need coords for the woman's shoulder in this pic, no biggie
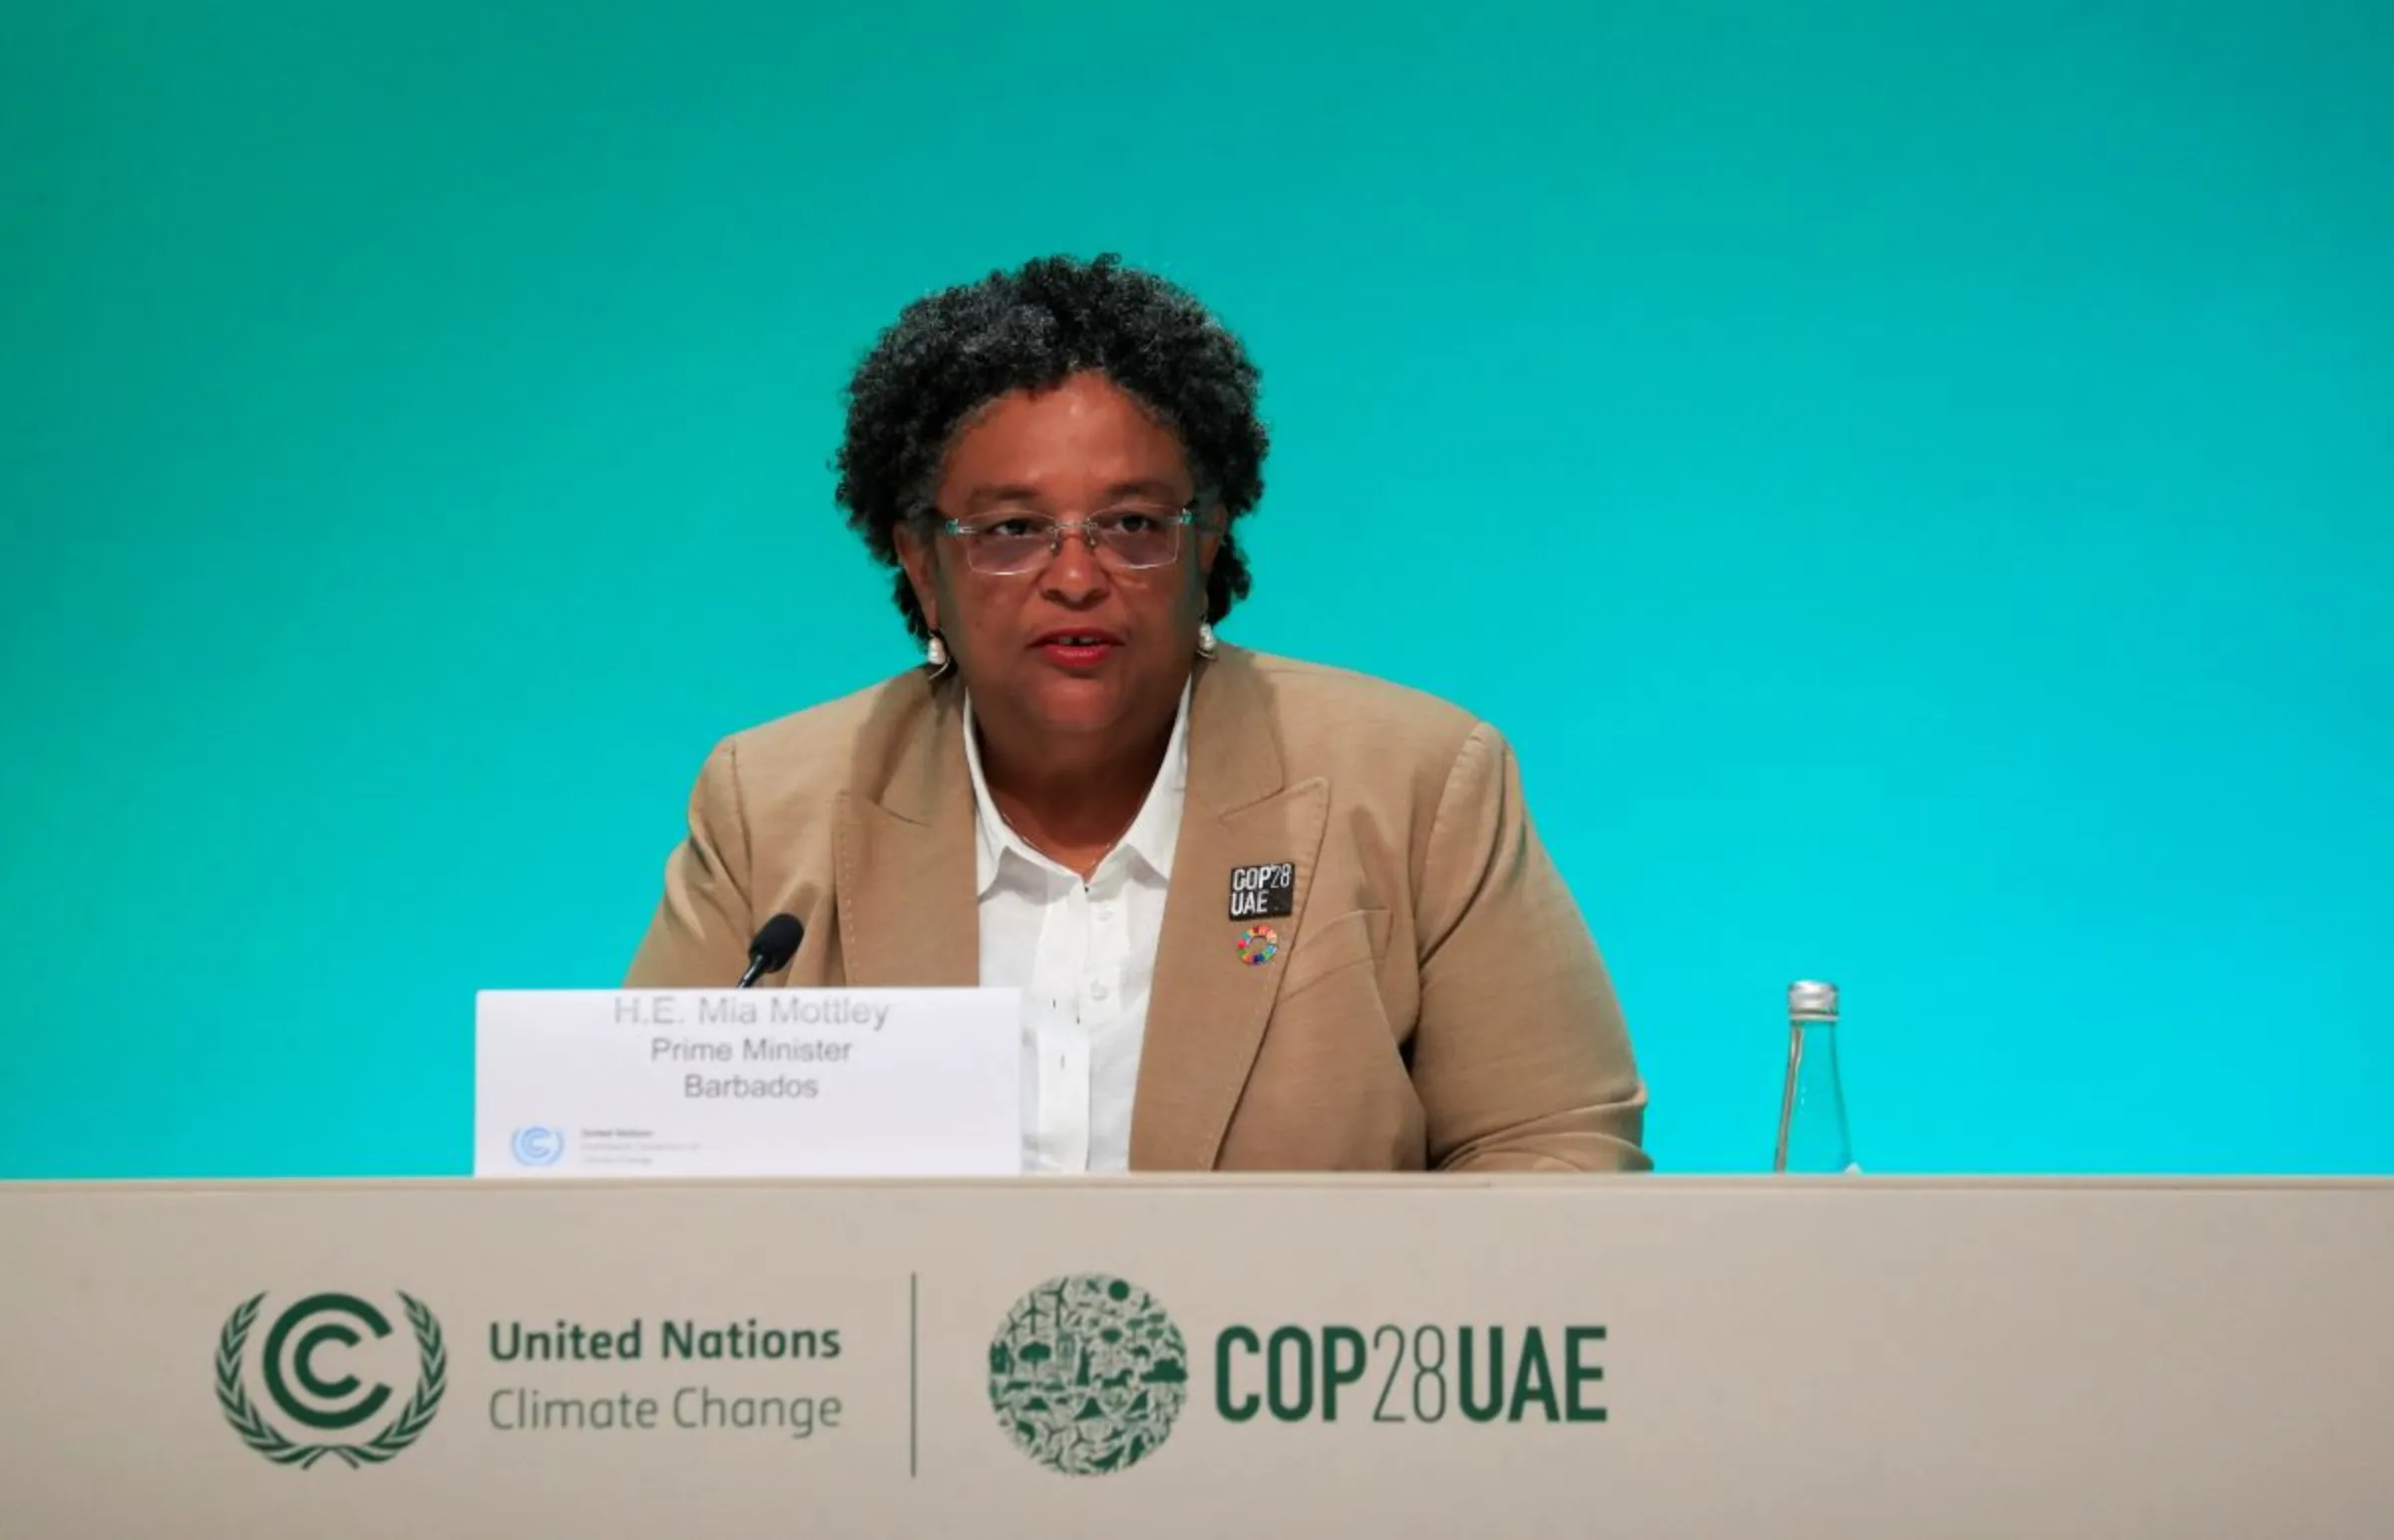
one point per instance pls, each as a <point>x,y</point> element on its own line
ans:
<point>1305,688</point>
<point>1325,715</point>
<point>825,747</point>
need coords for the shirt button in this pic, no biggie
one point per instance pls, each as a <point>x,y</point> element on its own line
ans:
<point>1096,988</point>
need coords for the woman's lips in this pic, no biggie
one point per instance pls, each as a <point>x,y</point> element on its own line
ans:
<point>1078,650</point>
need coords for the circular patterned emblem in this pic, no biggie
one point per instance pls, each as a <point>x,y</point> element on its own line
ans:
<point>1087,1375</point>
<point>1259,945</point>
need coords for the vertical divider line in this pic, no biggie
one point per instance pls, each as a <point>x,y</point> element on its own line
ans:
<point>914,1290</point>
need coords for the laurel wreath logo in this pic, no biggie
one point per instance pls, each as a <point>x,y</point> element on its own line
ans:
<point>432,1362</point>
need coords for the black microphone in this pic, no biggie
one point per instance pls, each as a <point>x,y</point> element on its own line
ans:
<point>776,942</point>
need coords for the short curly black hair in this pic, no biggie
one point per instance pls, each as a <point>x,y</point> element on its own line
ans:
<point>952,353</point>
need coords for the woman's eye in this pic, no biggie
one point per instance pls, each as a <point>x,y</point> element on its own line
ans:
<point>1012,528</point>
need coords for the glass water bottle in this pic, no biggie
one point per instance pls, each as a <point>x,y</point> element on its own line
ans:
<point>1812,1133</point>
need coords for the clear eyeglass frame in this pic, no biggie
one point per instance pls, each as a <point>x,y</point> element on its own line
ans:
<point>1026,550</point>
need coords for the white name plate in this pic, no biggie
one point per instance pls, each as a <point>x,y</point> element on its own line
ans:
<point>763,1082</point>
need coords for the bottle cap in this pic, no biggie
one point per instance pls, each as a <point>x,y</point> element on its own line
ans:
<point>1813,1000</point>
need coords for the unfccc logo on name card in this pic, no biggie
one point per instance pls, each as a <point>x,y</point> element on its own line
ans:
<point>538,1145</point>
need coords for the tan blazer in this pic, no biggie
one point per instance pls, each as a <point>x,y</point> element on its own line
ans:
<point>1436,1000</point>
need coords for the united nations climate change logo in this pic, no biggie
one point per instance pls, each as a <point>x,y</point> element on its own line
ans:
<point>535,1145</point>
<point>307,1343</point>
<point>1089,1373</point>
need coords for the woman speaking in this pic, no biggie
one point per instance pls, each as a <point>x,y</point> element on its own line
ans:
<point>1264,914</point>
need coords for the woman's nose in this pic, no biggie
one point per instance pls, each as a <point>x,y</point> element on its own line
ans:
<point>1074,571</point>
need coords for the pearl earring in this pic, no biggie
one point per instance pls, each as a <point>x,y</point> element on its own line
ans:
<point>935,653</point>
<point>1206,645</point>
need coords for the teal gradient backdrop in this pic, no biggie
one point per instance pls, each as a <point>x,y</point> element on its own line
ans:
<point>1914,480</point>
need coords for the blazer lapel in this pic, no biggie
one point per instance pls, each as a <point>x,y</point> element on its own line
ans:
<point>909,916</point>
<point>1207,1012</point>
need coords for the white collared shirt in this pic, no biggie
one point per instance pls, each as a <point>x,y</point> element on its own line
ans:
<point>1083,956</point>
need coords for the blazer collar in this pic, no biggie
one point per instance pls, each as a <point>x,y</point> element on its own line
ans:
<point>1207,1012</point>
<point>1234,752</point>
<point>908,911</point>
<point>902,848</point>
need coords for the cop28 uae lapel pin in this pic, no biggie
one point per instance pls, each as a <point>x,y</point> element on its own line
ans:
<point>1267,892</point>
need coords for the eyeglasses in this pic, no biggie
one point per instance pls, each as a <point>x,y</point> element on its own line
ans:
<point>1126,538</point>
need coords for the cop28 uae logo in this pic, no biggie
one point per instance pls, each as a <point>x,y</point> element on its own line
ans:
<point>309,1382</point>
<point>1087,1374</point>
